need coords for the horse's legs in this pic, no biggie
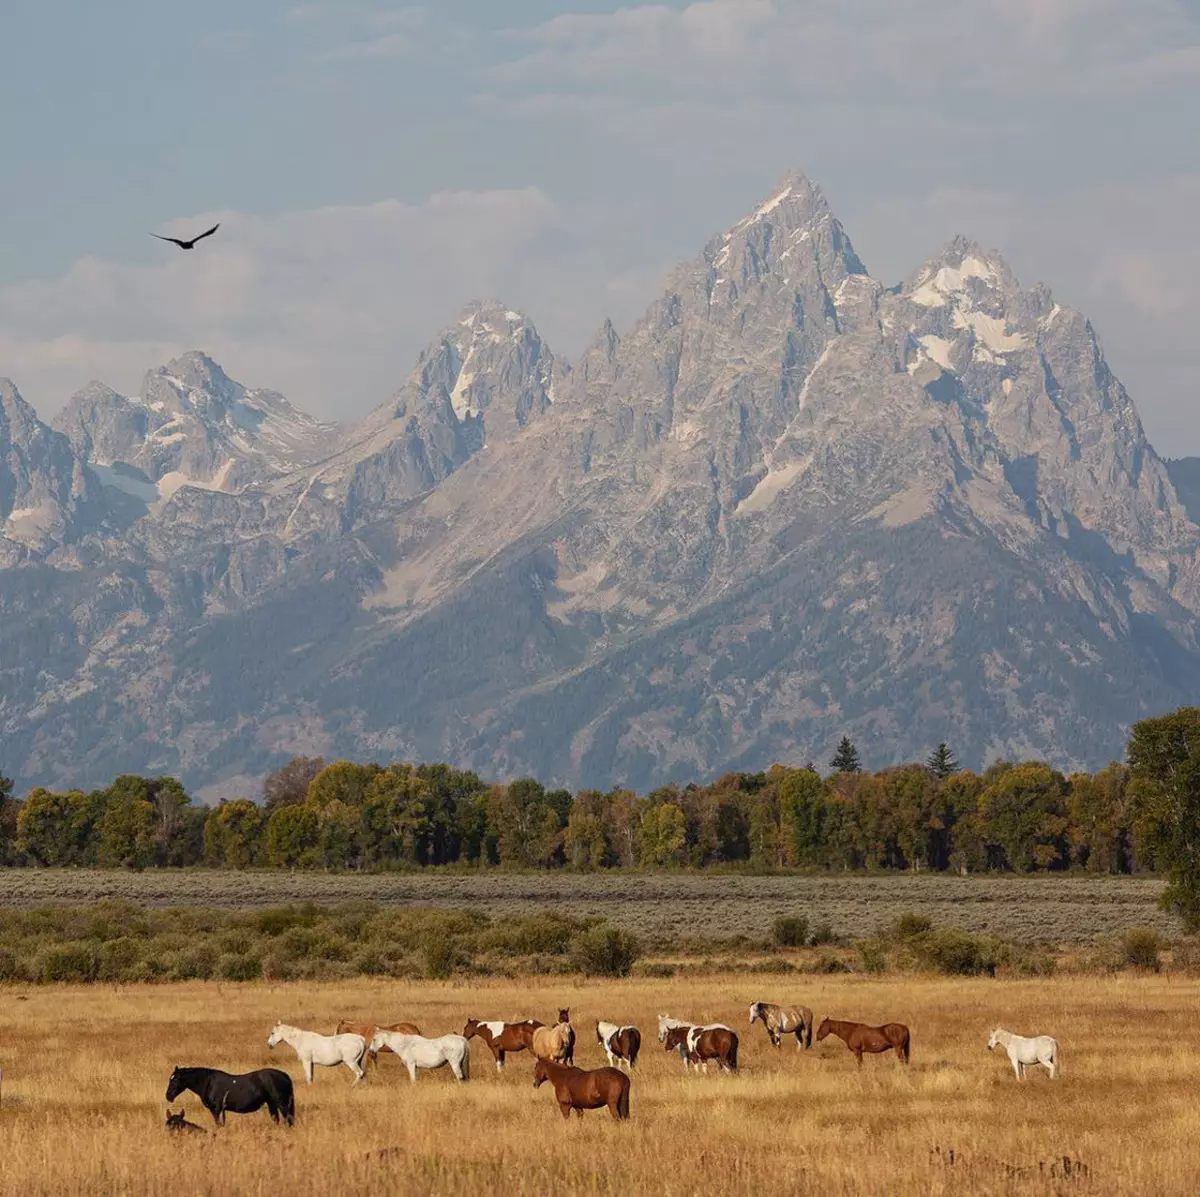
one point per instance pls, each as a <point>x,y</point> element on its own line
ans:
<point>1018,1069</point>
<point>308,1070</point>
<point>499,1059</point>
<point>800,1037</point>
<point>565,1107</point>
<point>858,1053</point>
<point>412,1072</point>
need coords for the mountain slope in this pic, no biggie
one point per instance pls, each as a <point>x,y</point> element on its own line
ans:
<point>789,503</point>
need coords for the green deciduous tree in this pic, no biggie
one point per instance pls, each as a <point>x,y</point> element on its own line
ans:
<point>1024,815</point>
<point>127,829</point>
<point>292,836</point>
<point>663,834</point>
<point>343,781</point>
<point>802,816</point>
<point>233,834</point>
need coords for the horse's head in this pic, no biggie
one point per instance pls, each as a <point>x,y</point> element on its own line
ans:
<point>276,1035</point>
<point>471,1029</point>
<point>756,1012</point>
<point>564,1015</point>
<point>175,1120</point>
<point>993,1039</point>
<point>663,1027</point>
<point>376,1042</point>
<point>174,1085</point>
<point>824,1029</point>
<point>540,1073</point>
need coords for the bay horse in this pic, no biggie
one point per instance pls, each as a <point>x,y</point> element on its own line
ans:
<point>552,1043</point>
<point>784,1020</point>
<point>619,1043</point>
<point>1022,1051</point>
<point>223,1092</point>
<point>564,1017</point>
<point>859,1037</point>
<point>367,1031</point>
<point>699,1045</point>
<point>418,1052</point>
<point>582,1089</point>
<point>502,1037</point>
<point>327,1050</point>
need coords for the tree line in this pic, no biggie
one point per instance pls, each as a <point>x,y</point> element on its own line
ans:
<point>1143,815</point>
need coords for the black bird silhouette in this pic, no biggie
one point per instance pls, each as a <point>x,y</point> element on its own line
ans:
<point>188,244</point>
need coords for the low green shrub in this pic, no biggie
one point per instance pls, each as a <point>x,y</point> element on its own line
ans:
<point>873,956</point>
<point>958,953</point>
<point>239,967</point>
<point>604,951</point>
<point>67,962</point>
<point>1140,947</point>
<point>909,925</point>
<point>790,931</point>
<point>824,935</point>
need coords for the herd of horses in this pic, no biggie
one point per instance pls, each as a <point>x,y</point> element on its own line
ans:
<point>354,1044</point>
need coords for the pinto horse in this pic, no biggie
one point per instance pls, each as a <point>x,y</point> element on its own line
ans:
<point>222,1092</point>
<point>699,1045</point>
<point>784,1020</point>
<point>502,1037</point>
<point>582,1089</point>
<point>619,1043</point>
<point>367,1031</point>
<point>859,1037</point>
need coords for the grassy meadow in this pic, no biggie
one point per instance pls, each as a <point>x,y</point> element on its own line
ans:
<point>85,1069</point>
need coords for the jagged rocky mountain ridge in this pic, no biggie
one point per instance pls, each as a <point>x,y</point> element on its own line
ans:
<point>789,503</point>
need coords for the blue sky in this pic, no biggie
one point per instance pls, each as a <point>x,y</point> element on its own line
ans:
<point>376,165</point>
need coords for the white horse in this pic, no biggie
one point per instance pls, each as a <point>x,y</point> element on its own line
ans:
<point>418,1052</point>
<point>326,1050</point>
<point>1041,1049</point>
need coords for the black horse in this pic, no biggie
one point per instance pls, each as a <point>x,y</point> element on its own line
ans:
<point>223,1092</point>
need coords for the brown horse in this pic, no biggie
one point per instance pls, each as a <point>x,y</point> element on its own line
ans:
<point>859,1037</point>
<point>564,1016</point>
<point>502,1037</point>
<point>367,1031</point>
<point>579,1089</point>
<point>698,1045</point>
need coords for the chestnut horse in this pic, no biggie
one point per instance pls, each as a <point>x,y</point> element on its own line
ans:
<point>859,1037</point>
<point>367,1031</point>
<point>698,1045</point>
<point>579,1089</point>
<point>502,1037</point>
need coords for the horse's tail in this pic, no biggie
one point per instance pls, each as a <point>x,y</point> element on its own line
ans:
<point>635,1046</point>
<point>466,1065</point>
<point>731,1055</point>
<point>905,1046</point>
<point>808,1022</point>
<point>287,1104</point>
<point>623,1101</point>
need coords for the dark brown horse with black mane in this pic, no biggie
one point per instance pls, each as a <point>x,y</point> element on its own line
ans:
<point>502,1037</point>
<point>859,1037</point>
<point>582,1089</point>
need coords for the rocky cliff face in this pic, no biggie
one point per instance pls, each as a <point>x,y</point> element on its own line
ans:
<point>789,503</point>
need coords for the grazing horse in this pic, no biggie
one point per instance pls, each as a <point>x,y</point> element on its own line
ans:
<point>367,1031</point>
<point>326,1050</point>
<point>784,1020</point>
<point>619,1043</point>
<point>581,1089</point>
<point>552,1043</point>
<point>673,1043</point>
<point>564,1017</point>
<point>502,1037</point>
<point>418,1052</point>
<point>698,1045</point>
<point>1040,1049</point>
<point>859,1037</point>
<point>223,1093</point>
<point>179,1122</point>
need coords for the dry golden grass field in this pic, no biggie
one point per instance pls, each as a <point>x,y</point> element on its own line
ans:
<point>85,1069</point>
<point>658,906</point>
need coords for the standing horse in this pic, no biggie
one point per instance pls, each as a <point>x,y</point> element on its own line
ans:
<point>581,1089</point>
<point>564,1018</point>
<point>1040,1049</point>
<point>552,1043</point>
<point>502,1037</point>
<point>223,1092</point>
<point>698,1045</point>
<point>859,1037</point>
<point>326,1050</point>
<point>674,1043</point>
<point>367,1031</point>
<point>418,1052</point>
<point>619,1043</point>
<point>784,1020</point>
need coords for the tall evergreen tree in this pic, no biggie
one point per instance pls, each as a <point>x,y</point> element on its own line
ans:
<point>845,760</point>
<point>942,763</point>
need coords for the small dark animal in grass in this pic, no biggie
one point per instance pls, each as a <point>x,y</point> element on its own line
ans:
<point>564,1018</point>
<point>367,1031</point>
<point>581,1089</point>
<point>187,244</point>
<point>699,1045</point>
<point>784,1020</point>
<point>621,1044</point>
<point>224,1092</point>
<point>502,1037</point>
<point>178,1122</point>
<point>859,1037</point>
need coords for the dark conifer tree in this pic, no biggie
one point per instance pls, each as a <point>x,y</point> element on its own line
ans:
<point>845,760</point>
<point>942,762</point>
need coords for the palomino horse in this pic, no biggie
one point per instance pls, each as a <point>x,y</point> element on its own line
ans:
<point>698,1045</point>
<point>1040,1049</point>
<point>502,1037</point>
<point>326,1050</point>
<point>223,1092</point>
<point>619,1043</point>
<point>581,1089</point>
<point>859,1037</point>
<point>418,1052</point>
<point>564,1017</point>
<point>784,1020</point>
<point>552,1043</point>
<point>367,1031</point>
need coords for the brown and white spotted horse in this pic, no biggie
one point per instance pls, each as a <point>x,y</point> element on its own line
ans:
<point>699,1045</point>
<point>621,1044</point>
<point>502,1037</point>
<point>784,1020</point>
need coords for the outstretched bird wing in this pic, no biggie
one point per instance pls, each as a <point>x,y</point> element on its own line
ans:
<point>173,240</point>
<point>208,234</point>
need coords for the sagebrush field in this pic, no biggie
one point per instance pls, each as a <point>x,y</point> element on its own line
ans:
<point>85,1070</point>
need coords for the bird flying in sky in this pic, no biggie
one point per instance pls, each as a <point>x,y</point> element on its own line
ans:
<point>187,244</point>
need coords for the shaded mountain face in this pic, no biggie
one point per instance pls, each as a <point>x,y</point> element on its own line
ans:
<point>788,504</point>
